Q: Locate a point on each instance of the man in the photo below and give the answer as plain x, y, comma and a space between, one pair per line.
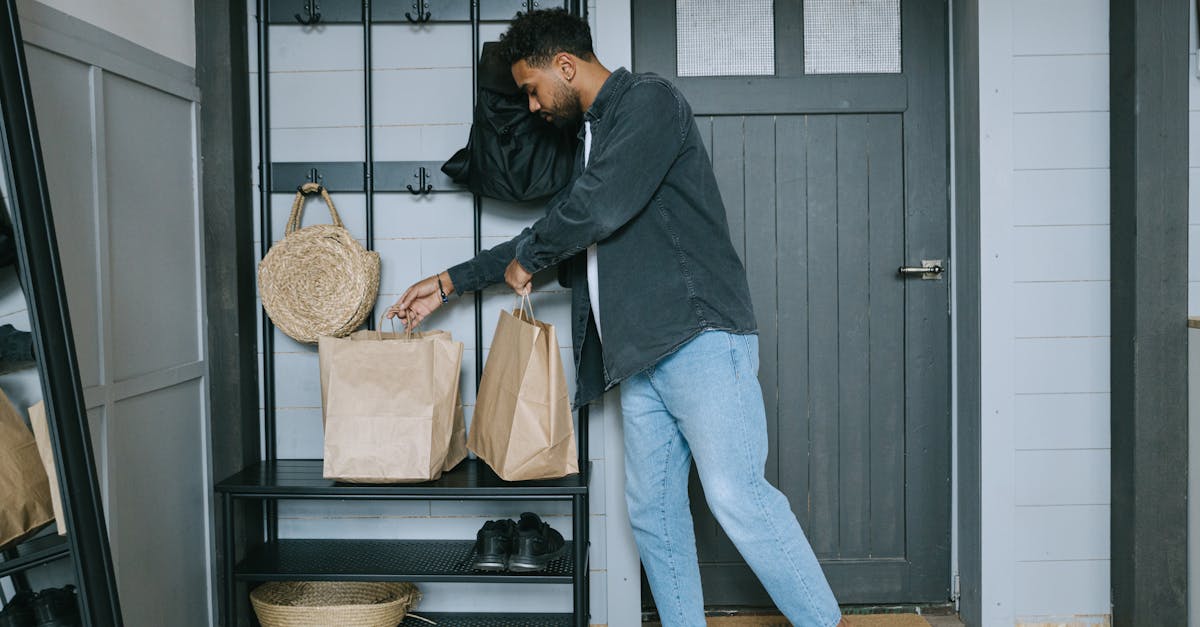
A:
662, 307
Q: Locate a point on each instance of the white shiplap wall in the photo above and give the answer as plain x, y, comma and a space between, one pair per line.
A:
1044, 92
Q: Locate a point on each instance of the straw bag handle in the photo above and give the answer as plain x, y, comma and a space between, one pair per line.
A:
293, 223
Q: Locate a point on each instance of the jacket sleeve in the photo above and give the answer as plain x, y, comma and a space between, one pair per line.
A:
486, 268
646, 133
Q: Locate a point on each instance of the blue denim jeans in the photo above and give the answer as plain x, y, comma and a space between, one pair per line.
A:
704, 402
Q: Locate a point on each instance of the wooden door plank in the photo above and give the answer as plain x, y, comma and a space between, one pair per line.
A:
886, 245
761, 270
791, 183
853, 375
822, 334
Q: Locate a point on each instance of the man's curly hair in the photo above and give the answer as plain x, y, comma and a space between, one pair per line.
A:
535, 37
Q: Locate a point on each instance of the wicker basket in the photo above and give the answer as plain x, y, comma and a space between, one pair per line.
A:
318, 280
326, 603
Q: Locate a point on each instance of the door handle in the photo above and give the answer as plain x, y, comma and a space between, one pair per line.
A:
930, 269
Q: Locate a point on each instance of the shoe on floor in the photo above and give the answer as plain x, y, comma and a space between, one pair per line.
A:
536, 546
16, 349
19, 611
493, 544
57, 607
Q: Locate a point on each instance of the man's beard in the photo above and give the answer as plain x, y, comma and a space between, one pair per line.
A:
567, 111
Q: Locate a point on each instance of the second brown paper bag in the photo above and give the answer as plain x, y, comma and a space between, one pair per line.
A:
25, 503
41, 433
522, 425
391, 406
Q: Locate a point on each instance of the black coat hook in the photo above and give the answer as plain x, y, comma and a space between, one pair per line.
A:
313, 9
423, 187
314, 176
419, 5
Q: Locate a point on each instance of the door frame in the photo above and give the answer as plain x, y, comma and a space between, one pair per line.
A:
930, 493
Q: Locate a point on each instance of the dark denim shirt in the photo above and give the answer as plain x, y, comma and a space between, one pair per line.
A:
649, 200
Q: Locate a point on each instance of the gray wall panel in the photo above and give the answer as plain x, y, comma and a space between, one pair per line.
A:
151, 199
62, 93
160, 541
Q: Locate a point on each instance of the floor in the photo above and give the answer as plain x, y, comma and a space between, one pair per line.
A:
856, 620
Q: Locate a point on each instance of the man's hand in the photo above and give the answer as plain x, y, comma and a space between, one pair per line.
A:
420, 300
518, 279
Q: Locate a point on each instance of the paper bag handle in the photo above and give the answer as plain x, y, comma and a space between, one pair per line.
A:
293, 223
524, 303
408, 329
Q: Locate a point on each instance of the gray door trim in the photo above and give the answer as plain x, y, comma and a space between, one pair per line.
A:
222, 62
1149, 274
966, 285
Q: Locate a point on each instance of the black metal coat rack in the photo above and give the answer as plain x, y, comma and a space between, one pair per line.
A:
272, 480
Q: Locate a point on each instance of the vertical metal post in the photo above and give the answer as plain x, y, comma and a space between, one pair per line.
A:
368, 135
581, 438
477, 199
264, 209
579, 537
228, 533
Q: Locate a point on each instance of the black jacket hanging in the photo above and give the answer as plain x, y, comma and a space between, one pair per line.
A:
511, 153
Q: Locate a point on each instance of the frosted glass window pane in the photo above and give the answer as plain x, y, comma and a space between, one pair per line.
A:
851, 36
725, 37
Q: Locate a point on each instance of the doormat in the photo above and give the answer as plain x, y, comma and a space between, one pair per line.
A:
864, 620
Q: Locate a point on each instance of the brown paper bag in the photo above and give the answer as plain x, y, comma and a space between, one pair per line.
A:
25, 503
522, 425
41, 433
391, 406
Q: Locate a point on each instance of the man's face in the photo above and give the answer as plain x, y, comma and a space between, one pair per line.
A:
549, 93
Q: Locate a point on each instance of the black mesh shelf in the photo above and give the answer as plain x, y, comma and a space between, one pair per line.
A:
384, 560
35, 553
472, 478
489, 620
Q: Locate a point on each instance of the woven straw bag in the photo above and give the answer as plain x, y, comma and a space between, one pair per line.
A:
340, 603
318, 280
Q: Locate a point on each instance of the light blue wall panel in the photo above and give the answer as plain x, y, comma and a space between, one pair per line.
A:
1060, 140
1061, 421
1055, 309
1060, 197
1063, 532
1062, 477
1061, 253
1061, 365
1060, 83
1060, 27
1067, 591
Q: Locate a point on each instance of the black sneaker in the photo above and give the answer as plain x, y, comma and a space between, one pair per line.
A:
493, 544
57, 607
16, 349
537, 545
19, 611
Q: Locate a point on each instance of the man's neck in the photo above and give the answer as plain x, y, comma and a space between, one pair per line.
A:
591, 78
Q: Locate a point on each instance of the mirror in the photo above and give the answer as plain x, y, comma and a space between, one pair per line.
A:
41, 365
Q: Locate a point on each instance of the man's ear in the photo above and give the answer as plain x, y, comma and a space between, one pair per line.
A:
565, 64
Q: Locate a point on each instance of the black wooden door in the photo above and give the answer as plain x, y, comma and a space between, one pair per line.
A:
833, 178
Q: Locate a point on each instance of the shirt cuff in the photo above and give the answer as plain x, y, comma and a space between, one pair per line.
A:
465, 278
